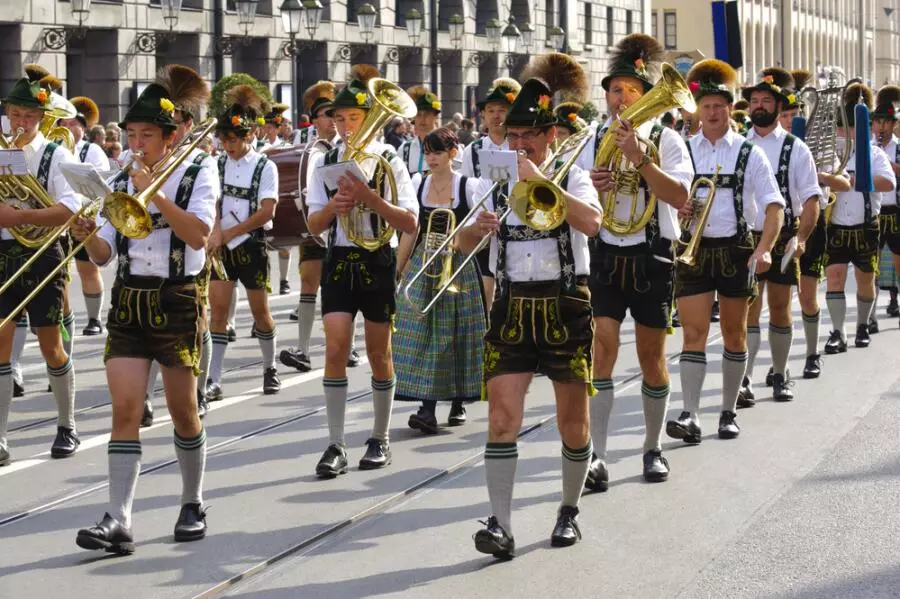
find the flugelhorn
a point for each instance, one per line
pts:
(689, 256)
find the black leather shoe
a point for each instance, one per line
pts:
(714, 316)
(493, 540)
(214, 392)
(457, 415)
(294, 358)
(835, 343)
(813, 367)
(202, 405)
(566, 532)
(332, 462)
(685, 428)
(253, 331)
(728, 428)
(781, 390)
(424, 420)
(232, 334)
(862, 336)
(353, 359)
(770, 376)
(5, 458)
(93, 328)
(66, 443)
(108, 534)
(295, 315)
(271, 382)
(147, 418)
(873, 326)
(893, 309)
(18, 389)
(378, 455)
(191, 525)
(597, 476)
(284, 288)
(656, 467)
(746, 398)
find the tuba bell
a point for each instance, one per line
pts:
(60, 108)
(670, 91)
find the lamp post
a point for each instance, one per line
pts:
(414, 25)
(557, 38)
(511, 36)
(365, 18)
(291, 13)
(492, 30)
(246, 10)
(527, 36)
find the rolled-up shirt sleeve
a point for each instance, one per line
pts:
(675, 160)
(803, 178)
(204, 196)
(58, 187)
(406, 195)
(108, 234)
(316, 197)
(881, 166)
(760, 181)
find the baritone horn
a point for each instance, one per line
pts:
(689, 256)
(670, 92)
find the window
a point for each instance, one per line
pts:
(654, 30)
(194, 4)
(588, 24)
(610, 38)
(629, 22)
(670, 30)
(550, 15)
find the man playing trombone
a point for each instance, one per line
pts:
(25, 106)
(632, 266)
(541, 319)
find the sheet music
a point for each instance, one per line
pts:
(12, 162)
(85, 180)
(228, 221)
(499, 165)
(332, 173)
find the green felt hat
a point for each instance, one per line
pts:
(28, 94)
(503, 90)
(632, 57)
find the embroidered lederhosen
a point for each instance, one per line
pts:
(856, 244)
(790, 225)
(721, 263)
(248, 262)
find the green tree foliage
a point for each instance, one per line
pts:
(217, 97)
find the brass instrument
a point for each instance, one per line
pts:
(689, 256)
(825, 106)
(389, 101)
(441, 224)
(60, 108)
(671, 91)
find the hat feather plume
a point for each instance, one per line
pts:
(187, 89)
(507, 83)
(35, 72)
(364, 72)
(561, 73)
(801, 78)
(889, 95)
(246, 97)
(322, 89)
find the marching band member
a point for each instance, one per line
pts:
(159, 271)
(884, 118)
(357, 280)
(853, 234)
(25, 106)
(448, 342)
(795, 173)
(273, 141)
(634, 272)
(725, 255)
(566, 118)
(249, 183)
(541, 277)
(305, 134)
(429, 111)
(791, 103)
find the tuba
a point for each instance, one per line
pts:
(671, 91)
(60, 108)
(702, 208)
(389, 101)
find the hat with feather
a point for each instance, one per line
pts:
(35, 72)
(774, 80)
(742, 118)
(637, 55)
(546, 75)
(712, 77)
(88, 114)
(853, 94)
(886, 103)
(244, 109)
(356, 93)
(567, 115)
(318, 96)
(801, 78)
(503, 90)
(276, 113)
(424, 98)
(34, 90)
(176, 87)
(741, 104)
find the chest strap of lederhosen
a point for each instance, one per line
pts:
(476, 161)
(867, 200)
(601, 131)
(459, 213)
(734, 182)
(43, 173)
(406, 152)
(782, 176)
(199, 158)
(507, 233)
(177, 246)
(250, 194)
(82, 155)
(652, 231)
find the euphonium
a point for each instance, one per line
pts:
(60, 108)
(389, 101)
(670, 92)
(689, 255)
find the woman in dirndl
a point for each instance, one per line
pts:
(887, 280)
(438, 356)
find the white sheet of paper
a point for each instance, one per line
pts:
(499, 165)
(788, 254)
(332, 173)
(229, 221)
(12, 162)
(85, 180)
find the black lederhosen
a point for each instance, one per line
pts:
(356, 280)
(857, 245)
(812, 262)
(247, 263)
(534, 327)
(791, 276)
(890, 228)
(312, 252)
(721, 266)
(46, 308)
(630, 278)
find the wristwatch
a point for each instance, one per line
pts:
(645, 160)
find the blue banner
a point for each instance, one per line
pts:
(720, 30)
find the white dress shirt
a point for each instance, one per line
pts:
(586, 158)
(468, 168)
(57, 186)
(849, 209)
(304, 135)
(675, 162)
(760, 187)
(313, 150)
(317, 197)
(803, 180)
(890, 199)
(151, 256)
(538, 260)
(239, 173)
(416, 161)
(472, 185)
(95, 155)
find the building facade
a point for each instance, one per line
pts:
(122, 43)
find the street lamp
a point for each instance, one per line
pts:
(414, 25)
(81, 10)
(512, 35)
(492, 30)
(557, 37)
(246, 10)
(457, 29)
(365, 18)
(291, 13)
(527, 36)
(312, 10)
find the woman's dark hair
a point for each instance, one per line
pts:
(441, 140)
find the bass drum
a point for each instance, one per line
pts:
(289, 227)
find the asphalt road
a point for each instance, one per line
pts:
(803, 504)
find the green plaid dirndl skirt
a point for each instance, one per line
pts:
(887, 276)
(439, 356)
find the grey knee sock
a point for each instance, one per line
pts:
(6, 396)
(864, 310)
(780, 339)
(19, 339)
(151, 378)
(601, 408)
(811, 332)
(267, 345)
(692, 365)
(124, 467)
(500, 460)
(232, 307)
(192, 460)
(383, 399)
(734, 365)
(335, 408)
(62, 382)
(219, 345)
(575, 464)
(837, 309)
(656, 403)
(306, 312)
(94, 303)
(754, 339)
(205, 358)
(284, 266)
(69, 324)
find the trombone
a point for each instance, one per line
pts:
(689, 256)
(441, 224)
